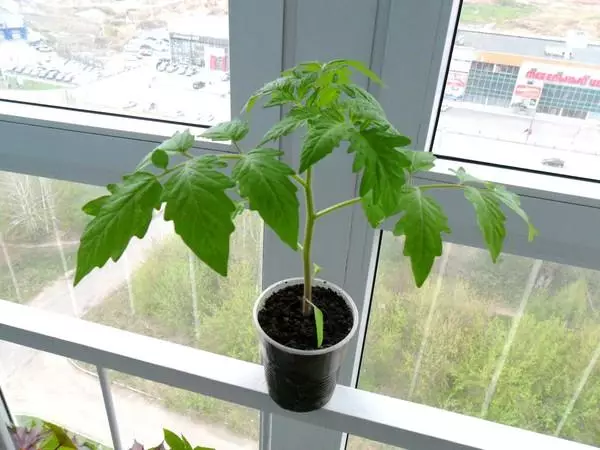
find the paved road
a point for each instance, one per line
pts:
(48, 386)
(495, 135)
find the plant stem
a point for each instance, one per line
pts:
(230, 156)
(307, 246)
(237, 147)
(337, 206)
(426, 187)
(300, 180)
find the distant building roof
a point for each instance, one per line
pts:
(525, 45)
(208, 26)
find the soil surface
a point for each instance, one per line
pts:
(282, 319)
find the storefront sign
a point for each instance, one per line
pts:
(557, 75)
(528, 92)
(456, 84)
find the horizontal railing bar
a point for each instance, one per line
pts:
(376, 417)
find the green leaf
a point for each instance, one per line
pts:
(296, 118)
(204, 448)
(180, 142)
(125, 214)
(490, 218)
(465, 178)
(266, 182)
(383, 166)
(160, 158)
(321, 139)
(419, 161)
(234, 130)
(285, 83)
(318, 325)
(357, 65)
(174, 441)
(514, 203)
(63, 439)
(422, 225)
(93, 207)
(187, 444)
(374, 212)
(201, 210)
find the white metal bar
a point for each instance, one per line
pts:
(377, 417)
(109, 407)
(6, 443)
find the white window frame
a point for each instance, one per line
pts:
(396, 39)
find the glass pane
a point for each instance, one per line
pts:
(43, 386)
(157, 288)
(523, 87)
(144, 408)
(514, 343)
(151, 58)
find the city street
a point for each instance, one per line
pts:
(496, 135)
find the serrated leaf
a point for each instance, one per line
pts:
(383, 166)
(513, 202)
(125, 214)
(287, 125)
(357, 65)
(92, 208)
(160, 158)
(201, 210)
(265, 181)
(490, 218)
(234, 130)
(318, 325)
(278, 84)
(173, 441)
(419, 161)
(180, 142)
(422, 224)
(321, 139)
(464, 177)
(374, 213)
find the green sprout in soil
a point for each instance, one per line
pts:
(203, 194)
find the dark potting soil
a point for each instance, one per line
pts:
(282, 319)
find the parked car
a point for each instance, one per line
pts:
(51, 75)
(191, 71)
(172, 68)
(69, 78)
(553, 162)
(60, 76)
(198, 84)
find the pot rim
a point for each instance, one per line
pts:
(316, 282)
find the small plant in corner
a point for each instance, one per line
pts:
(304, 324)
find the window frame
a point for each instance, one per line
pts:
(96, 148)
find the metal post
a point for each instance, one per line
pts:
(109, 407)
(6, 442)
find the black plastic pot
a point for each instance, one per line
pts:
(301, 380)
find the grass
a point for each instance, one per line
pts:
(498, 12)
(30, 85)
(35, 268)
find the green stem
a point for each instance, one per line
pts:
(426, 187)
(237, 147)
(300, 180)
(307, 246)
(230, 156)
(337, 206)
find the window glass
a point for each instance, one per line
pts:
(514, 343)
(157, 288)
(40, 386)
(523, 87)
(151, 58)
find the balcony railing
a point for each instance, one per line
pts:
(400, 423)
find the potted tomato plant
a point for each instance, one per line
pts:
(304, 324)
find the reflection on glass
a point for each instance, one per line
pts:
(523, 87)
(42, 386)
(154, 58)
(157, 288)
(515, 343)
